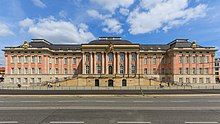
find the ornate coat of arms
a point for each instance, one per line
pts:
(109, 48)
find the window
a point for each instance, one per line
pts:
(193, 59)
(65, 60)
(163, 79)
(25, 71)
(57, 71)
(32, 70)
(99, 69)
(154, 60)
(187, 70)
(87, 69)
(12, 59)
(206, 70)
(25, 80)
(32, 80)
(39, 71)
(121, 57)
(200, 80)
(50, 60)
(74, 71)
(163, 60)
(19, 80)
(194, 80)
(12, 70)
(99, 57)
(145, 60)
(39, 59)
(65, 71)
(32, 59)
(180, 80)
(187, 59)
(180, 59)
(39, 80)
(187, 80)
(57, 61)
(207, 59)
(194, 71)
(207, 80)
(19, 70)
(26, 59)
(11, 80)
(154, 71)
(200, 70)
(133, 69)
(121, 69)
(19, 59)
(74, 60)
(133, 57)
(87, 58)
(110, 57)
(180, 70)
(162, 71)
(124, 82)
(200, 59)
(145, 71)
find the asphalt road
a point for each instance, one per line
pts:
(107, 92)
(110, 109)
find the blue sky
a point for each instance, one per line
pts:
(80, 21)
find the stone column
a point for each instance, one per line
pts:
(196, 57)
(6, 64)
(138, 63)
(114, 60)
(103, 68)
(190, 64)
(126, 63)
(83, 63)
(129, 64)
(106, 61)
(183, 64)
(118, 63)
(149, 65)
(91, 63)
(95, 66)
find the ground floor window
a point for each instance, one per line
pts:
(39, 80)
(163, 79)
(200, 80)
(207, 80)
(110, 83)
(124, 82)
(194, 80)
(180, 80)
(187, 80)
(25, 80)
(96, 82)
(12, 80)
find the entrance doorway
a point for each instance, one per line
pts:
(110, 70)
(124, 82)
(110, 83)
(96, 82)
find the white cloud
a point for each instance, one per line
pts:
(5, 31)
(63, 14)
(113, 26)
(110, 24)
(124, 11)
(112, 5)
(39, 3)
(58, 31)
(162, 14)
(26, 22)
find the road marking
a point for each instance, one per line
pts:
(201, 122)
(179, 101)
(143, 101)
(66, 122)
(132, 122)
(29, 101)
(8, 122)
(69, 101)
(104, 101)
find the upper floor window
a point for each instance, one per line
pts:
(145, 71)
(121, 69)
(180, 59)
(194, 71)
(206, 70)
(32, 71)
(57, 71)
(154, 71)
(162, 71)
(32, 59)
(57, 61)
(65, 60)
(65, 71)
(121, 57)
(99, 57)
(154, 60)
(39, 59)
(180, 71)
(110, 57)
(133, 57)
(26, 59)
(12, 70)
(145, 60)
(74, 60)
(200, 59)
(87, 69)
(133, 69)
(12, 59)
(19, 59)
(19, 70)
(187, 70)
(200, 70)
(39, 71)
(193, 59)
(87, 58)
(187, 59)
(163, 60)
(99, 69)
(25, 70)
(207, 59)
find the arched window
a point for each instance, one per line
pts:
(121, 69)
(110, 69)
(133, 69)
(110, 83)
(110, 57)
(124, 82)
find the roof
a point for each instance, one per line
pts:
(116, 42)
(154, 46)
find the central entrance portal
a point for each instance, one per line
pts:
(110, 83)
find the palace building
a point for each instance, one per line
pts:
(109, 61)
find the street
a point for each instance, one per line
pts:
(110, 109)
